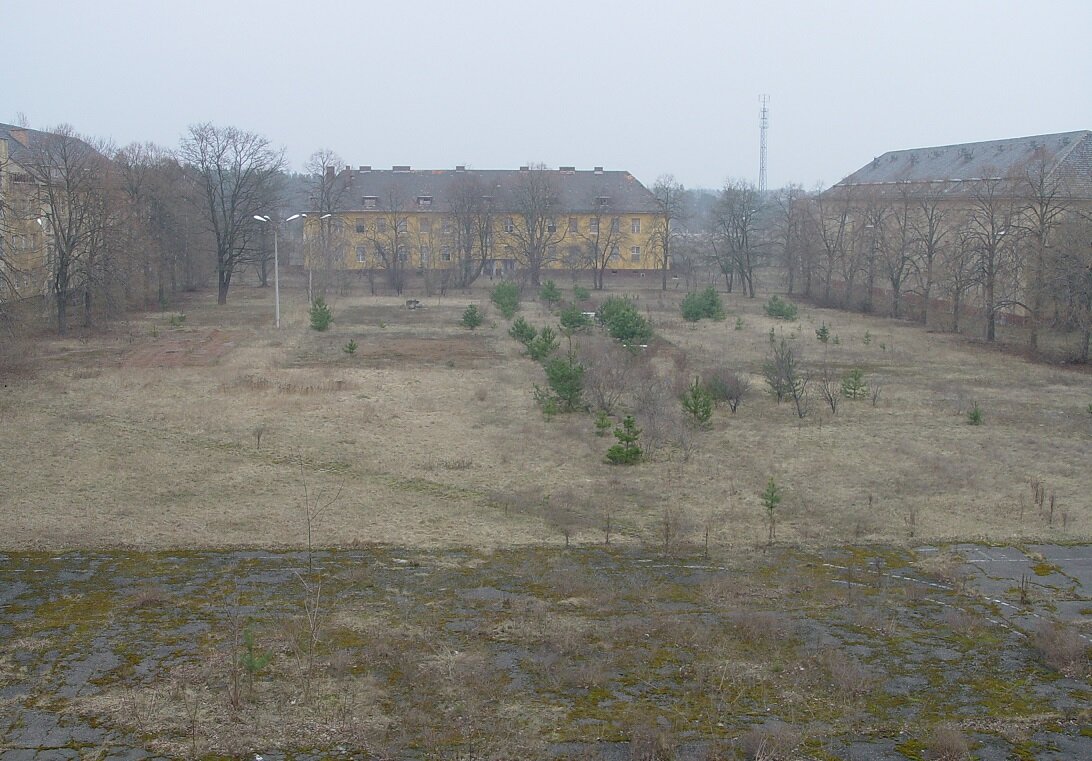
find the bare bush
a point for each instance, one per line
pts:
(1062, 648)
(607, 368)
(848, 675)
(762, 626)
(649, 742)
(876, 384)
(17, 357)
(772, 742)
(830, 389)
(655, 405)
(947, 743)
(727, 386)
(561, 512)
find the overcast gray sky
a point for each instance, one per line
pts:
(652, 87)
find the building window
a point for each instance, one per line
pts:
(361, 255)
(425, 251)
(635, 225)
(614, 255)
(551, 227)
(572, 224)
(593, 225)
(615, 225)
(361, 227)
(370, 202)
(426, 225)
(447, 227)
(635, 254)
(402, 227)
(445, 253)
(509, 226)
(381, 225)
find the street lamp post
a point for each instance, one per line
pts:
(276, 266)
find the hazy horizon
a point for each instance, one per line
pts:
(633, 86)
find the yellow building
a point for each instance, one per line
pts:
(462, 223)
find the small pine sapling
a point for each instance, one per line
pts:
(472, 317)
(603, 423)
(771, 498)
(320, 314)
(626, 451)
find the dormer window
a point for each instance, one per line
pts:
(603, 200)
(424, 202)
(371, 202)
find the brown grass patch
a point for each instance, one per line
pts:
(427, 421)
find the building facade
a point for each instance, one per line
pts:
(993, 230)
(464, 222)
(23, 248)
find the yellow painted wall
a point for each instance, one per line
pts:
(425, 245)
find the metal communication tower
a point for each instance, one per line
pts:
(763, 127)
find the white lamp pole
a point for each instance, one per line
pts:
(276, 267)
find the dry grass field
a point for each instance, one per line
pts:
(428, 436)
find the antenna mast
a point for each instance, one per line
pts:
(763, 128)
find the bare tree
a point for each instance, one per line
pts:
(735, 234)
(789, 235)
(1044, 204)
(991, 229)
(672, 197)
(470, 214)
(1069, 277)
(327, 189)
(155, 231)
(961, 272)
(932, 233)
(73, 179)
(238, 174)
(830, 223)
(390, 238)
(535, 228)
(900, 247)
(602, 236)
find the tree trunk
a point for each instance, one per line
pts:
(927, 295)
(62, 314)
(223, 282)
(991, 312)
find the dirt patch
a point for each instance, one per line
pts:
(397, 349)
(188, 349)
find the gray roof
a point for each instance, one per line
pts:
(578, 191)
(1068, 156)
(18, 152)
(23, 142)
